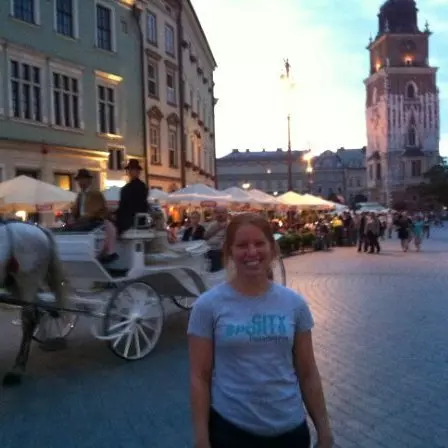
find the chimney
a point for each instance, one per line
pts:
(279, 150)
(235, 150)
(247, 150)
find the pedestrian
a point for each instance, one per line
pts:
(426, 226)
(251, 357)
(404, 230)
(389, 223)
(372, 233)
(418, 231)
(363, 242)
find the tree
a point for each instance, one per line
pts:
(436, 186)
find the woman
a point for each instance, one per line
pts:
(251, 353)
(194, 230)
(418, 230)
(403, 229)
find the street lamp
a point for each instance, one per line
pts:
(286, 78)
(309, 169)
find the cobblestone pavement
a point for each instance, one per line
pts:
(380, 338)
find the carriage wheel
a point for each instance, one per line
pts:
(279, 272)
(185, 303)
(53, 326)
(134, 320)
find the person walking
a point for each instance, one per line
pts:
(404, 231)
(418, 229)
(252, 362)
(363, 242)
(372, 233)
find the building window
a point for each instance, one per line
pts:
(107, 110)
(378, 171)
(64, 181)
(171, 87)
(104, 36)
(370, 172)
(66, 101)
(29, 172)
(169, 39)
(26, 91)
(154, 142)
(193, 149)
(26, 10)
(153, 79)
(65, 15)
(151, 28)
(198, 105)
(116, 159)
(412, 137)
(172, 148)
(416, 168)
(198, 153)
(402, 170)
(411, 91)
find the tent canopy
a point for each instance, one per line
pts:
(29, 194)
(199, 194)
(263, 197)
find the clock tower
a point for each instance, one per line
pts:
(402, 105)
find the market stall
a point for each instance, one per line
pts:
(23, 195)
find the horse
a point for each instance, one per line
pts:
(29, 261)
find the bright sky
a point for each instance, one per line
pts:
(325, 42)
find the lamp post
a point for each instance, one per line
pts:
(309, 170)
(286, 78)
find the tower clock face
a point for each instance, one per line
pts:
(408, 45)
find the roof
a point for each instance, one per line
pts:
(352, 158)
(258, 156)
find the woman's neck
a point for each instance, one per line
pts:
(251, 286)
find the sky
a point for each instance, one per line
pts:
(325, 42)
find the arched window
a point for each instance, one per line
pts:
(412, 136)
(374, 96)
(411, 91)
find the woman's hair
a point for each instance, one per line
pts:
(238, 221)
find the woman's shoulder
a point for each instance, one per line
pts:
(210, 298)
(288, 294)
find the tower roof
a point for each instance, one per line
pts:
(398, 16)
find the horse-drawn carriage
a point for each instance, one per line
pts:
(130, 297)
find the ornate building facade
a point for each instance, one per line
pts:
(402, 105)
(179, 96)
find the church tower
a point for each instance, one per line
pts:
(402, 105)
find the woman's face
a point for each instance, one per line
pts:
(251, 252)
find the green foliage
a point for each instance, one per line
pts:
(436, 186)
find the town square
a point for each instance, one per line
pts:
(223, 224)
(380, 341)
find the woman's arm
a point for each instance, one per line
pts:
(201, 364)
(311, 387)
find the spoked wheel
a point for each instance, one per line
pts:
(55, 325)
(134, 321)
(185, 303)
(278, 272)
